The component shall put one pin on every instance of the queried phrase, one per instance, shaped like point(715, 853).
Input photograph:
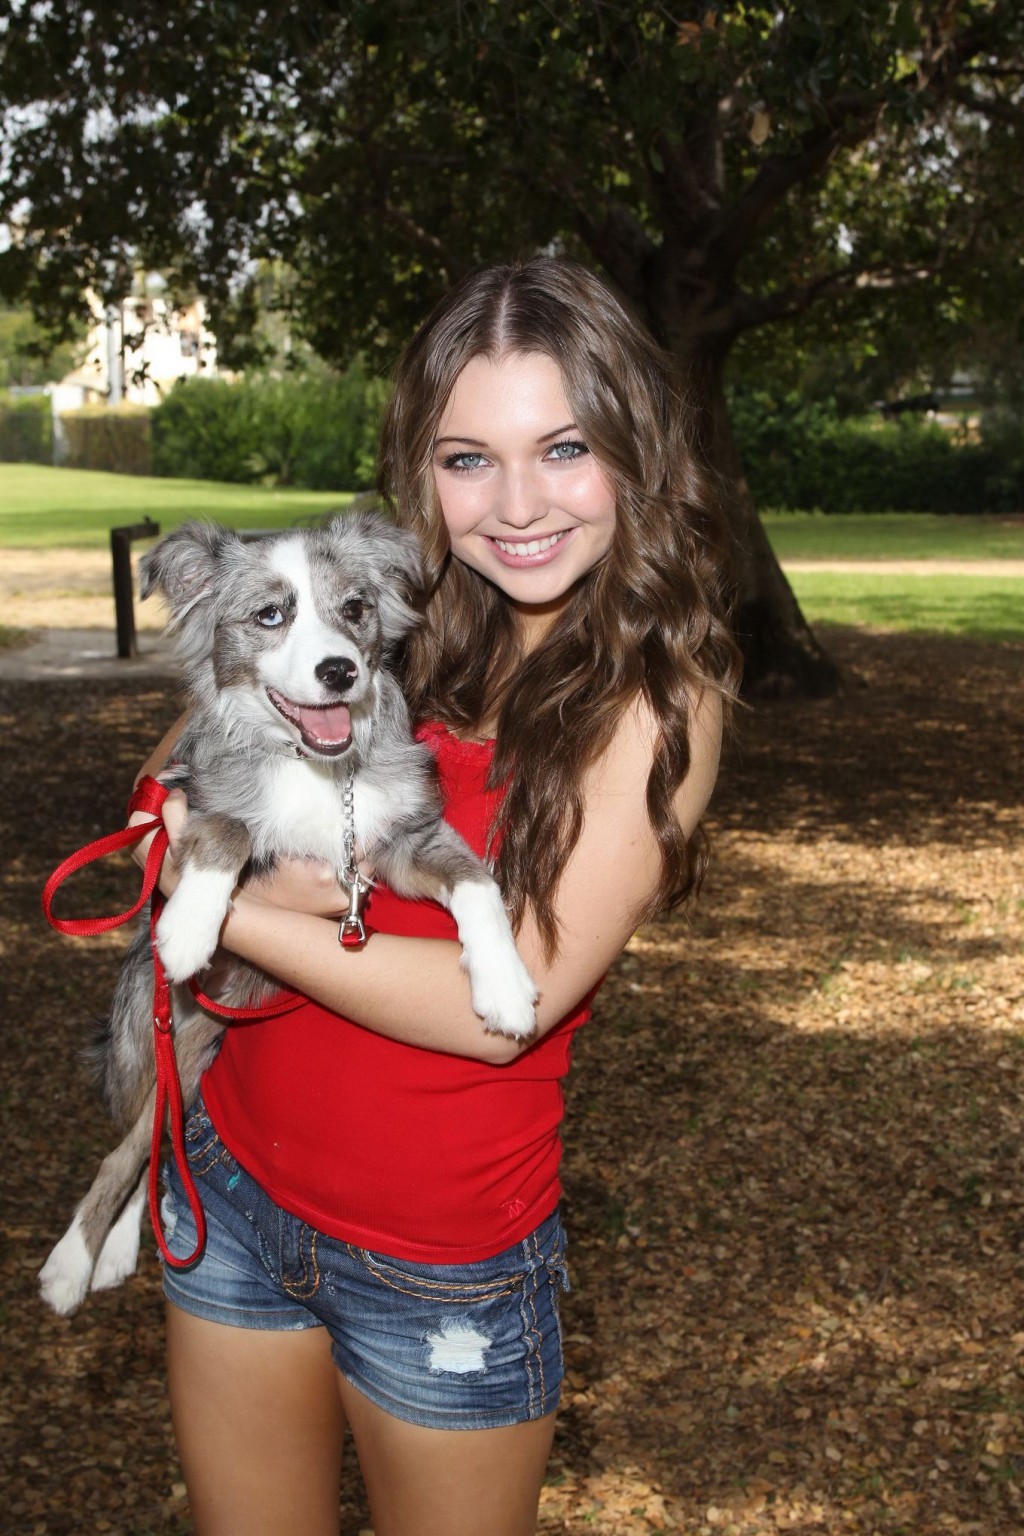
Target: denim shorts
point(450, 1346)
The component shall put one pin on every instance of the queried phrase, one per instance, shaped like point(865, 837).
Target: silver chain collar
point(352, 929)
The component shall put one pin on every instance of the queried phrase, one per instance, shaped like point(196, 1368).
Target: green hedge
point(26, 429)
point(110, 437)
point(803, 456)
point(315, 430)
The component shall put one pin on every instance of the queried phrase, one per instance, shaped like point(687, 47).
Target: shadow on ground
point(793, 1180)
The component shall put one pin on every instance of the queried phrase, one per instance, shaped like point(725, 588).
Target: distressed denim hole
point(458, 1349)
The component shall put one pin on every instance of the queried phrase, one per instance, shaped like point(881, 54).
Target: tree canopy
point(28, 357)
point(731, 167)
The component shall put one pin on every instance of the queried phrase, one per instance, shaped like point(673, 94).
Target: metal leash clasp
point(352, 929)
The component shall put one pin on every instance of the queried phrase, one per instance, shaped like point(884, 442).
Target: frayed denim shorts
point(450, 1346)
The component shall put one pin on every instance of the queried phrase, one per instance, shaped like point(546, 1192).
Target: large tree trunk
point(781, 654)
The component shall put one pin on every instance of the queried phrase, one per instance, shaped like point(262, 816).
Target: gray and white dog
point(285, 644)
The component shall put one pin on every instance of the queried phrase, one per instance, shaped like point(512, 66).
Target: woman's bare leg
point(259, 1426)
point(445, 1482)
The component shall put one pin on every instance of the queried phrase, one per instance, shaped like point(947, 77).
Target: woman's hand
point(302, 885)
point(175, 815)
point(298, 885)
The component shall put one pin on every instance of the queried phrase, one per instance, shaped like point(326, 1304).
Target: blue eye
point(269, 617)
point(461, 462)
point(567, 450)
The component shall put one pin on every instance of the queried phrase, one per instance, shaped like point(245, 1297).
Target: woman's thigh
point(259, 1425)
point(448, 1482)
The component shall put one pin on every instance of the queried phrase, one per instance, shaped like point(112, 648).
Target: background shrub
point(802, 455)
point(206, 429)
point(316, 430)
point(26, 429)
point(110, 437)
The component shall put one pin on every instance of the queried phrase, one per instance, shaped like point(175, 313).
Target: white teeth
point(534, 547)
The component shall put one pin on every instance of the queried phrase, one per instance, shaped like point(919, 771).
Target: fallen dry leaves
point(793, 1140)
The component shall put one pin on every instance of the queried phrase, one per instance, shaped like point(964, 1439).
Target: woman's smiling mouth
point(519, 549)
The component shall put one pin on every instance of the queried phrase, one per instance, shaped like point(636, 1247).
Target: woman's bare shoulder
point(624, 767)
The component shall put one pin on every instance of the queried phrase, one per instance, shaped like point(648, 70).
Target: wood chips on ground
point(793, 1139)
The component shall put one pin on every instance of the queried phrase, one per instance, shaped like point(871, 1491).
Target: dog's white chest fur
point(305, 803)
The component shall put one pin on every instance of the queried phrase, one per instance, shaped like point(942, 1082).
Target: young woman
point(380, 1174)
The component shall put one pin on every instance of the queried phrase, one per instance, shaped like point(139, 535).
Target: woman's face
point(524, 500)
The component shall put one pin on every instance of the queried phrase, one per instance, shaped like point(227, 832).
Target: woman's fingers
point(175, 814)
point(303, 885)
point(300, 885)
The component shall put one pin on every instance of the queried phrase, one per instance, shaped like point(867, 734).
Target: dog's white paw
point(188, 927)
point(64, 1278)
point(183, 954)
point(502, 989)
point(120, 1252)
point(504, 996)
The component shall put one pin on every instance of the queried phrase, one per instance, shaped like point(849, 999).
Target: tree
point(731, 166)
point(27, 354)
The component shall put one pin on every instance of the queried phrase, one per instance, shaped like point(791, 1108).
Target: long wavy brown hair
point(649, 620)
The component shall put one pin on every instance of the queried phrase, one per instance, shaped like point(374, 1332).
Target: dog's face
point(289, 632)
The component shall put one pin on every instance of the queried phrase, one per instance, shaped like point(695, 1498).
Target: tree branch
point(786, 303)
point(780, 174)
point(620, 243)
point(1002, 111)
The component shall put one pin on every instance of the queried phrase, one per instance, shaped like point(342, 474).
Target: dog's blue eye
point(269, 617)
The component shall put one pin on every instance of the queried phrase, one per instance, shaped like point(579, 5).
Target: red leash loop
point(284, 1002)
point(149, 796)
point(168, 1100)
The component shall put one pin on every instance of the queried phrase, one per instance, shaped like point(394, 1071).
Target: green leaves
point(728, 165)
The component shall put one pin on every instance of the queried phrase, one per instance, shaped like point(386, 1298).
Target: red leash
point(149, 796)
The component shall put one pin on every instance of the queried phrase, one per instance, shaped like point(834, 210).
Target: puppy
point(298, 743)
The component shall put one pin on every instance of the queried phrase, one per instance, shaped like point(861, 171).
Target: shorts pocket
point(443, 1289)
point(203, 1147)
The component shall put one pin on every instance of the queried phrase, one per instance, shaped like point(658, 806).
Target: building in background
point(138, 349)
point(135, 352)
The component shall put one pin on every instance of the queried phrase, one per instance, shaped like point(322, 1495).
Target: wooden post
point(124, 603)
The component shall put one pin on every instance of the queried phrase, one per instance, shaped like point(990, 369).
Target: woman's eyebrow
point(475, 442)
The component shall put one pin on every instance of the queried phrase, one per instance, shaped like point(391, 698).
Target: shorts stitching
point(538, 1348)
point(476, 1291)
point(212, 1155)
point(416, 1413)
point(303, 1290)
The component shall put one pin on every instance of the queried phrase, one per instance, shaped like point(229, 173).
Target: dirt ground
point(66, 589)
point(793, 1138)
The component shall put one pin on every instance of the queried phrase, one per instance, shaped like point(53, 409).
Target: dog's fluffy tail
point(101, 1246)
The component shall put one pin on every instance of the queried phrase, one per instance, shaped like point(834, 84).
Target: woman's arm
point(414, 990)
point(157, 759)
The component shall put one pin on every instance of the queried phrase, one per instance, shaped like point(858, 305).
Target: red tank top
point(410, 1152)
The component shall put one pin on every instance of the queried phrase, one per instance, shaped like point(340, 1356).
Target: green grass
point(72, 508)
point(77, 508)
point(893, 536)
point(979, 607)
point(42, 507)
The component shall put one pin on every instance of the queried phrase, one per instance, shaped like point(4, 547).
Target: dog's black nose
point(337, 673)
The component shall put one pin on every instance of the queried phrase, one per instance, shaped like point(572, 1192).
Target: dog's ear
point(395, 560)
point(396, 553)
point(404, 558)
point(184, 564)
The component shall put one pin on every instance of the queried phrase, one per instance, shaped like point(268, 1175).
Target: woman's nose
point(522, 501)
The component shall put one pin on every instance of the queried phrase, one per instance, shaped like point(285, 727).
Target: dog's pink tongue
point(326, 726)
